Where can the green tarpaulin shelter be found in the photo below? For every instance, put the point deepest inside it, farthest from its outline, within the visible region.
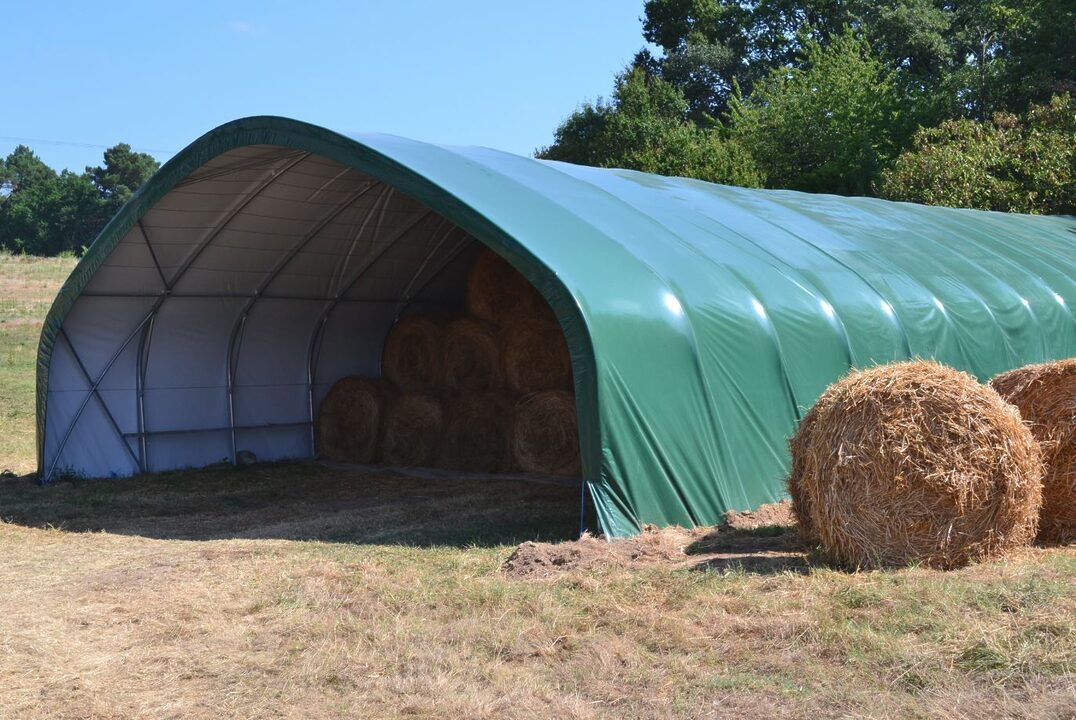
(271, 257)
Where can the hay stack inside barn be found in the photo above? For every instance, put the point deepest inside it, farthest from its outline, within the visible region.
(486, 390)
(413, 357)
(412, 432)
(916, 463)
(350, 421)
(1045, 394)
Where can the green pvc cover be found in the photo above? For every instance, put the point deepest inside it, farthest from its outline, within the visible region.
(703, 320)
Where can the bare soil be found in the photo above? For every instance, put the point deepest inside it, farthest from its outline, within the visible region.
(762, 540)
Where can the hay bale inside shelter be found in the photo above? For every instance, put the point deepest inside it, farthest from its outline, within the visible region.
(545, 433)
(496, 291)
(350, 419)
(472, 356)
(412, 430)
(477, 435)
(915, 462)
(1045, 394)
(413, 357)
(536, 356)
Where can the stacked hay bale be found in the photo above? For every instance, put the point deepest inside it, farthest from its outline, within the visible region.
(350, 421)
(915, 463)
(485, 391)
(1045, 394)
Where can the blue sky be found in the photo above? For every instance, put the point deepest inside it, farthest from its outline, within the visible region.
(157, 75)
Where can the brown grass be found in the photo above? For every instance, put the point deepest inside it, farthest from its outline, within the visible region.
(497, 292)
(305, 592)
(472, 356)
(413, 357)
(298, 591)
(412, 431)
(477, 434)
(350, 419)
(1045, 394)
(545, 433)
(28, 286)
(917, 463)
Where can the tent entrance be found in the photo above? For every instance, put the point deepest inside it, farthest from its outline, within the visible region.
(216, 327)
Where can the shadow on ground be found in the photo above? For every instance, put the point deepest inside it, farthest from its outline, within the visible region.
(300, 502)
(768, 550)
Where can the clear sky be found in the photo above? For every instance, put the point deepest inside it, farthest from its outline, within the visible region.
(157, 75)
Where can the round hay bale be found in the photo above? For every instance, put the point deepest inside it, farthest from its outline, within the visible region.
(477, 434)
(412, 432)
(350, 419)
(797, 445)
(496, 291)
(413, 357)
(545, 434)
(472, 356)
(1045, 394)
(915, 462)
(536, 357)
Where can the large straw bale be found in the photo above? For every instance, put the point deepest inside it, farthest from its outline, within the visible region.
(797, 445)
(472, 356)
(477, 434)
(1045, 394)
(536, 356)
(412, 433)
(545, 433)
(413, 357)
(915, 462)
(497, 292)
(350, 419)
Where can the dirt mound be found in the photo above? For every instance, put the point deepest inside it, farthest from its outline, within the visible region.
(779, 513)
(533, 560)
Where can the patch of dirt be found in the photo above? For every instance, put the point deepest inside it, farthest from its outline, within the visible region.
(763, 540)
(651, 547)
(774, 514)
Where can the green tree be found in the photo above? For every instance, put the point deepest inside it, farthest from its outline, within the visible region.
(645, 127)
(967, 58)
(1007, 163)
(123, 172)
(22, 169)
(829, 124)
(42, 213)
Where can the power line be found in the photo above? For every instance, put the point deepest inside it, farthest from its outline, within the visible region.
(91, 146)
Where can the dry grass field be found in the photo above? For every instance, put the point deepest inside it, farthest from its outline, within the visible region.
(302, 591)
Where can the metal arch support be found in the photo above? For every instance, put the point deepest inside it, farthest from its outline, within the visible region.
(408, 293)
(314, 349)
(235, 340)
(153, 254)
(140, 388)
(215, 233)
(151, 314)
(93, 393)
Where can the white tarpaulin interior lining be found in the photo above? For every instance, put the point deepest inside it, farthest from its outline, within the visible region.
(224, 315)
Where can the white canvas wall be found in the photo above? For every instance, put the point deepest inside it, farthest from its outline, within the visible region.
(222, 318)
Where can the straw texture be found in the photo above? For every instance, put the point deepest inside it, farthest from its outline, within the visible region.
(1045, 394)
(350, 419)
(916, 463)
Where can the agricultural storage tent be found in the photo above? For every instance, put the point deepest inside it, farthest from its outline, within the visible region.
(270, 258)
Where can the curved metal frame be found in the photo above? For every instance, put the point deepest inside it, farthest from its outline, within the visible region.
(300, 140)
(143, 358)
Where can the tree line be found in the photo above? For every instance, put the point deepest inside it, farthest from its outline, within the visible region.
(965, 104)
(43, 212)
